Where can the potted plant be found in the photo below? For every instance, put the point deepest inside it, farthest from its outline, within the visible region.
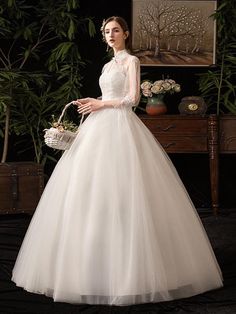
(39, 69)
(217, 85)
(40, 64)
(155, 92)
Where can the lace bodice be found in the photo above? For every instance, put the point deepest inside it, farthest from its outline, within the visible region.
(120, 80)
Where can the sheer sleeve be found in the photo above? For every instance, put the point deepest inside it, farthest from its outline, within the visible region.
(132, 96)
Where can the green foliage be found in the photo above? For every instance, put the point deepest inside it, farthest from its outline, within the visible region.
(40, 66)
(217, 85)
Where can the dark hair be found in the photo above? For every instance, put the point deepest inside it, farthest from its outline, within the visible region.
(123, 24)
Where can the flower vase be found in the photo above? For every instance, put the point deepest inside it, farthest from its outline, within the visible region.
(156, 105)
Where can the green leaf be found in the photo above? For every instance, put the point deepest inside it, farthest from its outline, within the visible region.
(49, 48)
(92, 29)
(71, 30)
(10, 3)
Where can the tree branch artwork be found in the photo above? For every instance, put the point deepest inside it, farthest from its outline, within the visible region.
(174, 32)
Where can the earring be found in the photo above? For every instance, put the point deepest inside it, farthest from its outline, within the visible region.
(107, 47)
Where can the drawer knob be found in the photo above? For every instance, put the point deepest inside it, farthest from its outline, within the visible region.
(168, 145)
(171, 126)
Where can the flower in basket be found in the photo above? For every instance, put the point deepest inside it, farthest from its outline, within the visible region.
(65, 125)
(150, 89)
(58, 126)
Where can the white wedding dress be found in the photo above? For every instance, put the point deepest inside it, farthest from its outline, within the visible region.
(115, 224)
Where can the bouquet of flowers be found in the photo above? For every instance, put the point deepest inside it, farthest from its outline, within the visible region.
(164, 86)
(65, 125)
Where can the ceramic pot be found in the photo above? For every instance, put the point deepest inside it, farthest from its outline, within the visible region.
(156, 105)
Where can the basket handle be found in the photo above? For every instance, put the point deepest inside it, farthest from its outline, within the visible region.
(64, 110)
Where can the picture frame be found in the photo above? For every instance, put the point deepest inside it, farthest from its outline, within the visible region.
(174, 32)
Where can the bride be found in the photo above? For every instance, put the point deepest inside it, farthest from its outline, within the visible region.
(115, 224)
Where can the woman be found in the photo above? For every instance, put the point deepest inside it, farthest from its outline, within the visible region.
(115, 224)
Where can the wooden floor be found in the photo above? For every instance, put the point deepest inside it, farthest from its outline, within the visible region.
(221, 231)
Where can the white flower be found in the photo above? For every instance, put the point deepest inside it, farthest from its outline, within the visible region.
(177, 88)
(172, 82)
(159, 82)
(146, 85)
(159, 87)
(147, 92)
(167, 86)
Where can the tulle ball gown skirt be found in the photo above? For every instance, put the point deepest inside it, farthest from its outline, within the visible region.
(115, 224)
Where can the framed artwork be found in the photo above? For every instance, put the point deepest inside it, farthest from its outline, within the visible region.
(174, 32)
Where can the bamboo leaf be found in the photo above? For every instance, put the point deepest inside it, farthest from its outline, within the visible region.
(92, 29)
(43, 88)
(71, 30)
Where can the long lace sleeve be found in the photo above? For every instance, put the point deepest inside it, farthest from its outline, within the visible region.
(132, 88)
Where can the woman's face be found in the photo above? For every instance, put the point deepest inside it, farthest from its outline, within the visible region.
(115, 36)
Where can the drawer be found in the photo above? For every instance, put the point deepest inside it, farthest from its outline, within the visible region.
(176, 126)
(183, 144)
(228, 134)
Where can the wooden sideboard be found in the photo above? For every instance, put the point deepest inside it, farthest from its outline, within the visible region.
(196, 134)
(227, 134)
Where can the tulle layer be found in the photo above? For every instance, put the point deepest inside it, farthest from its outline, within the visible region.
(115, 224)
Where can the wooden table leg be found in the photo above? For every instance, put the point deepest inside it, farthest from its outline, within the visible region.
(213, 148)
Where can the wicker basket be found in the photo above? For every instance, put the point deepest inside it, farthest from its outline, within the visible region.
(58, 137)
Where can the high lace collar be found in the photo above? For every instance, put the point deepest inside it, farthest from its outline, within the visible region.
(120, 55)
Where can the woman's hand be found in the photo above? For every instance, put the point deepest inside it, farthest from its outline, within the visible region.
(87, 105)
